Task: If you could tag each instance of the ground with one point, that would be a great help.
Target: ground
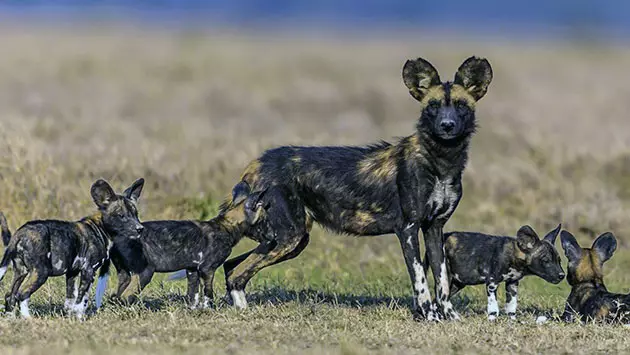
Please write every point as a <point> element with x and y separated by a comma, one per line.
<point>188,110</point>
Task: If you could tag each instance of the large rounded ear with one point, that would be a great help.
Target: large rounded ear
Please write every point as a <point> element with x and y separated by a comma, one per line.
<point>572,249</point>
<point>102,194</point>
<point>551,236</point>
<point>240,192</point>
<point>526,238</point>
<point>419,75</point>
<point>475,75</point>
<point>605,245</point>
<point>133,192</point>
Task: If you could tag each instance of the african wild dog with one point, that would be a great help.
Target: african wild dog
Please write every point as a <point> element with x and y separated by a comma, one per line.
<point>589,299</point>
<point>475,258</point>
<point>198,247</point>
<point>378,189</point>
<point>45,248</point>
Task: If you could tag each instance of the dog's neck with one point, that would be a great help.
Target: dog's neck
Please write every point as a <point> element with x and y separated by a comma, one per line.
<point>223,228</point>
<point>446,156</point>
<point>95,224</point>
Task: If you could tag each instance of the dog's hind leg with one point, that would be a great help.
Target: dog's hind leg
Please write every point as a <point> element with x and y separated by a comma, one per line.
<point>124,279</point>
<point>19,274</point>
<point>36,278</point>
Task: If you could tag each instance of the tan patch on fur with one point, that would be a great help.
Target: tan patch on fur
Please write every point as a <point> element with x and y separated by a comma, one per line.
<point>376,208</point>
<point>296,159</point>
<point>603,312</point>
<point>588,269</point>
<point>235,216</point>
<point>433,93</point>
<point>459,93</point>
<point>251,174</point>
<point>361,220</point>
<point>380,165</point>
<point>309,223</point>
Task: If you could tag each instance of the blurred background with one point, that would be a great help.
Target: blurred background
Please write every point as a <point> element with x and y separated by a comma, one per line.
<point>186,92</point>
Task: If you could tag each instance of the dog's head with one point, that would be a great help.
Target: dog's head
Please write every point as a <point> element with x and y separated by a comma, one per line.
<point>541,256</point>
<point>246,207</point>
<point>448,108</point>
<point>585,264</point>
<point>119,212</point>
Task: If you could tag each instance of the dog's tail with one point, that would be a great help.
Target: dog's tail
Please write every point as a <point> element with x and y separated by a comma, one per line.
<point>101,285</point>
<point>6,233</point>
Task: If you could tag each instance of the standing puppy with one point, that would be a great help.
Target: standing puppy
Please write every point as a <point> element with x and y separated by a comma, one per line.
<point>45,248</point>
<point>589,299</point>
<point>476,258</point>
<point>199,247</point>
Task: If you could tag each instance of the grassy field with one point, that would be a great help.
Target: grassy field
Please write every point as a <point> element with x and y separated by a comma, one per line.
<point>187,111</point>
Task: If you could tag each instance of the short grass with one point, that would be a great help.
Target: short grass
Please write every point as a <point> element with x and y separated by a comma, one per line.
<point>188,110</point>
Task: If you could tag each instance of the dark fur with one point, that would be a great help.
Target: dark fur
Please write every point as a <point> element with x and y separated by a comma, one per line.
<point>42,249</point>
<point>199,247</point>
<point>475,258</point>
<point>379,189</point>
<point>589,299</point>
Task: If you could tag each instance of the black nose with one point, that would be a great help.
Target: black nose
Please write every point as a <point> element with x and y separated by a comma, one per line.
<point>447,125</point>
<point>561,275</point>
<point>139,229</point>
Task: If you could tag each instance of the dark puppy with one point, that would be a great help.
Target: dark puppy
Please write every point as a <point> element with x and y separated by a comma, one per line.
<point>199,247</point>
<point>41,249</point>
<point>589,299</point>
<point>476,258</point>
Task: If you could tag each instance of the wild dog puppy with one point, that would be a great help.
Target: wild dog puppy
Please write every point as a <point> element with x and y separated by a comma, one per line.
<point>46,248</point>
<point>199,247</point>
<point>589,299</point>
<point>475,258</point>
<point>403,187</point>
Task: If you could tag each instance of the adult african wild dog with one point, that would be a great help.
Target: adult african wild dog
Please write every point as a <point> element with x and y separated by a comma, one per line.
<point>199,247</point>
<point>378,189</point>
<point>589,299</point>
<point>476,258</point>
<point>45,248</point>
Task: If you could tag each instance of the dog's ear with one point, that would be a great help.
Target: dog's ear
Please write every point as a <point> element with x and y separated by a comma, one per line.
<point>240,192</point>
<point>605,245</point>
<point>551,236</point>
<point>419,75</point>
<point>526,238</point>
<point>572,249</point>
<point>133,192</point>
<point>475,75</point>
<point>102,194</point>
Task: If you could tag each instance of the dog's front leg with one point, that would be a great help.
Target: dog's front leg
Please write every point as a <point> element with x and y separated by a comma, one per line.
<point>71,291</point>
<point>511,298</point>
<point>81,303</point>
<point>408,238</point>
<point>434,242</point>
<point>493,305</point>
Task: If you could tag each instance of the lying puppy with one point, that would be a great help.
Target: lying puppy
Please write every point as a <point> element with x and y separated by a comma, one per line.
<point>476,258</point>
<point>589,299</point>
<point>41,249</point>
<point>199,247</point>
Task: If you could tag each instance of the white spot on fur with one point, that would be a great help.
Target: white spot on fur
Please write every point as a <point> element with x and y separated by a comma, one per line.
<point>541,320</point>
<point>442,195</point>
<point>238,298</point>
<point>206,302</point>
<point>79,308</point>
<point>456,277</point>
<point>79,262</point>
<point>48,255</point>
<point>510,307</point>
<point>493,306</point>
<point>512,275</point>
<point>24,311</point>
<point>58,265</point>
<point>195,303</point>
<point>101,287</point>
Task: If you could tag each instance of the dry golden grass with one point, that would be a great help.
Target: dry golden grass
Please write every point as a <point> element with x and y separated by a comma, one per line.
<point>188,111</point>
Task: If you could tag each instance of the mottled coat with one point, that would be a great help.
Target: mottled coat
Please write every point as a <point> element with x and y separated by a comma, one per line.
<point>476,258</point>
<point>589,299</point>
<point>403,187</point>
<point>47,248</point>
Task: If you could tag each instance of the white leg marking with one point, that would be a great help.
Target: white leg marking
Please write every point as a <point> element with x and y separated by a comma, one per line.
<point>238,298</point>
<point>420,286</point>
<point>195,303</point>
<point>493,306</point>
<point>3,270</point>
<point>24,311</point>
<point>79,309</point>
<point>101,287</point>
<point>510,307</point>
<point>447,306</point>
<point>206,302</point>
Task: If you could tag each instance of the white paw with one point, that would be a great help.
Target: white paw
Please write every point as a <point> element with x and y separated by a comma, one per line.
<point>238,299</point>
<point>492,317</point>
<point>541,320</point>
